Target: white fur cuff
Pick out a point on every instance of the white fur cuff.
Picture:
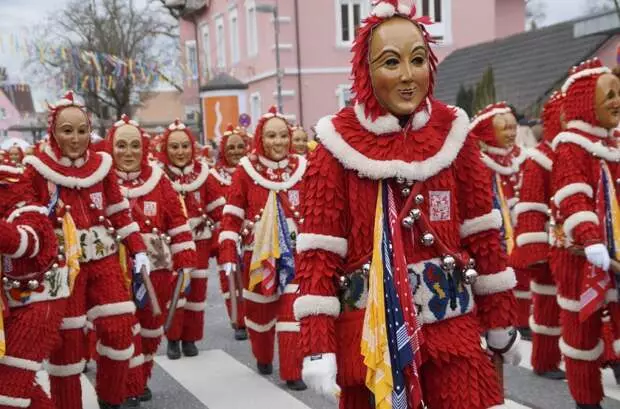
(73, 322)
(543, 289)
(220, 201)
(124, 232)
(576, 219)
(26, 209)
(253, 326)
(570, 190)
(309, 305)
(109, 310)
(495, 283)
(543, 329)
(288, 327)
(490, 221)
(61, 371)
(116, 208)
(532, 238)
(333, 244)
(115, 354)
(179, 247)
(530, 207)
(568, 304)
(228, 235)
(582, 354)
(184, 228)
(14, 402)
(234, 210)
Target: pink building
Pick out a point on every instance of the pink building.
(232, 36)
(9, 116)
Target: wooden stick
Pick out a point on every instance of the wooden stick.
(151, 292)
(498, 362)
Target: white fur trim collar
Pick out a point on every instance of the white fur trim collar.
(388, 123)
(145, 188)
(182, 171)
(494, 150)
(218, 176)
(72, 182)
(273, 164)
(196, 183)
(496, 167)
(539, 157)
(128, 176)
(64, 161)
(269, 184)
(383, 169)
(595, 148)
(590, 129)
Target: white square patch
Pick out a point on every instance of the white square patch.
(97, 199)
(439, 205)
(197, 196)
(150, 209)
(293, 197)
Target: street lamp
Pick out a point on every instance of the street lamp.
(273, 9)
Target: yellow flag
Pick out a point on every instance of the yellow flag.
(73, 251)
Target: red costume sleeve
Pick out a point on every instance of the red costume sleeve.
(532, 238)
(480, 237)
(575, 194)
(232, 218)
(322, 247)
(182, 244)
(120, 216)
(215, 200)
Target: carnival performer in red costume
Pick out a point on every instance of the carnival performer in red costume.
(232, 148)
(496, 129)
(263, 204)
(36, 286)
(300, 140)
(532, 248)
(396, 200)
(92, 217)
(16, 155)
(158, 210)
(204, 202)
(584, 177)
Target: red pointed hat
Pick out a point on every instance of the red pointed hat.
(177, 125)
(126, 120)
(552, 116)
(258, 137)
(580, 89)
(382, 11)
(482, 123)
(68, 100)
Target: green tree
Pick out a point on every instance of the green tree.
(485, 91)
(465, 99)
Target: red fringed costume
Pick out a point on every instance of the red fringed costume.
(158, 210)
(581, 153)
(223, 173)
(265, 314)
(34, 297)
(87, 191)
(505, 165)
(532, 248)
(442, 194)
(204, 201)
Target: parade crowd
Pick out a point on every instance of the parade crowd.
(399, 258)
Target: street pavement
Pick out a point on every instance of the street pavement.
(223, 376)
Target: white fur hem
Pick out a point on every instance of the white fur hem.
(582, 354)
(152, 333)
(136, 361)
(124, 232)
(70, 181)
(568, 304)
(228, 235)
(115, 354)
(532, 238)
(617, 346)
(117, 208)
(311, 241)
(199, 273)
(291, 289)
(184, 246)
(109, 310)
(62, 371)
(20, 363)
(540, 158)
(234, 210)
(271, 185)
(258, 298)
(495, 283)
(522, 295)
(489, 221)
(147, 187)
(15, 402)
(576, 219)
(251, 325)
(523, 207)
(73, 322)
(570, 190)
(220, 201)
(543, 289)
(311, 305)
(184, 228)
(195, 306)
(604, 152)
(543, 329)
(384, 169)
(26, 209)
(288, 327)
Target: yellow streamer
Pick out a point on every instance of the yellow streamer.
(73, 251)
(506, 217)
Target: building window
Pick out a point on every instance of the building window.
(191, 58)
(191, 113)
(255, 108)
(251, 29)
(220, 42)
(2, 113)
(345, 96)
(349, 14)
(439, 12)
(206, 50)
(233, 18)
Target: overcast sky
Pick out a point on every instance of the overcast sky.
(17, 16)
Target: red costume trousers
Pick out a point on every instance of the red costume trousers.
(581, 343)
(455, 374)
(151, 330)
(266, 315)
(100, 292)
(524, 296)
(545, 320)
(31, 335)
(228, 299)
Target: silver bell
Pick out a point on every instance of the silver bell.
(250, 225)
(470, 276)
(448, 263)
(256, 218)
(48, 275)
(366, 268)
(408, 222)
(6, 283)
(415, 214)
(168, 239)
(33, 284)
(344, 282)
(419, 199)
(245, 232)
(118, 238)
(55, 266)
(101, 219)
(405, 191)
(296, 214)
(155, 230)
(111, 230)
(471, 263)
(16, 284)
(428, 239)
(60, 257)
